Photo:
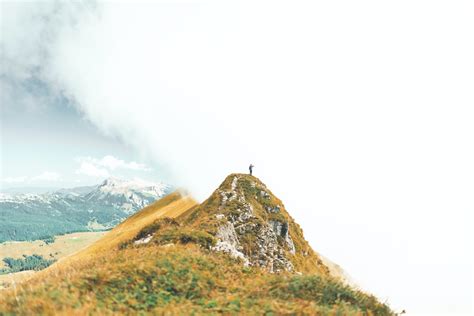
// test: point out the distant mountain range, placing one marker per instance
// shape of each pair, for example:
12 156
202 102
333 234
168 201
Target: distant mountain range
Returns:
28 216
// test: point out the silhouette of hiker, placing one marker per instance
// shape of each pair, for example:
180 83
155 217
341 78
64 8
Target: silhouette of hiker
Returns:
251 168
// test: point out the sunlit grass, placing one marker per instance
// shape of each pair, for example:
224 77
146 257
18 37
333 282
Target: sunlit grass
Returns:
177 273
182 279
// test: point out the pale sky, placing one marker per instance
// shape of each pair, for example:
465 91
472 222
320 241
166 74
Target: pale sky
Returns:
55 147
357 114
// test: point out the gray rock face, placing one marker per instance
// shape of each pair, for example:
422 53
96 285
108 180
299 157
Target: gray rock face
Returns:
271 209
281 230
264 194
271 239
227 233
229 242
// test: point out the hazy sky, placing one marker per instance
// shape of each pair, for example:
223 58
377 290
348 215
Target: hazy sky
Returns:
56 147
357 114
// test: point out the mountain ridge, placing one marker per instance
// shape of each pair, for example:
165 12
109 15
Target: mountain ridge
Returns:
165 259
252 223
41 216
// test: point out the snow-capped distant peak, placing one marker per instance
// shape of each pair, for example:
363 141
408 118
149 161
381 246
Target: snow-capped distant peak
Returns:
128 195
5 196
101 206
117 186
112 182
136 183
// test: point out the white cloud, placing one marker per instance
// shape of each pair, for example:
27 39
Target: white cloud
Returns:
90 169
14 179
104 166
113 163
47 176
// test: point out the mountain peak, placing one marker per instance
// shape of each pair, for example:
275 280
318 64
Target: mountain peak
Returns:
251 223
112 181
107 204
118 185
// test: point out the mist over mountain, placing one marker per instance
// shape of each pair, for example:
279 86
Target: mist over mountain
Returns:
30 216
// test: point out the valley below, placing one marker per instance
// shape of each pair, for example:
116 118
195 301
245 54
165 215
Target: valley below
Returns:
62 246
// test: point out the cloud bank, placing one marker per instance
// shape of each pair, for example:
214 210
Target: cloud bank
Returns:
101 168
357 114
46 176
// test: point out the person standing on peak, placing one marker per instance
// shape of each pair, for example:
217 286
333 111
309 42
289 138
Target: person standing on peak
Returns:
251 168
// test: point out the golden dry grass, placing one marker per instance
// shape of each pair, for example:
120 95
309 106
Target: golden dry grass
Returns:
175 279
181 280
9 279
171 205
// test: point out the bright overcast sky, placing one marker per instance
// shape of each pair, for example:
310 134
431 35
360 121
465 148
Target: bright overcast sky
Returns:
357 114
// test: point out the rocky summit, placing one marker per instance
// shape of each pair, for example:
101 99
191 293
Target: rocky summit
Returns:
250 223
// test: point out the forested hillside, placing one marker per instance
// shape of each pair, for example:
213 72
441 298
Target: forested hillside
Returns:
43 216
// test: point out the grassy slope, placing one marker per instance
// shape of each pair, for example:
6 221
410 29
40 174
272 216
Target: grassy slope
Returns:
171 205
7 280
178 279
183 279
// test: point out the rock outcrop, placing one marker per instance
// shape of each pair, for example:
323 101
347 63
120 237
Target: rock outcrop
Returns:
251 224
